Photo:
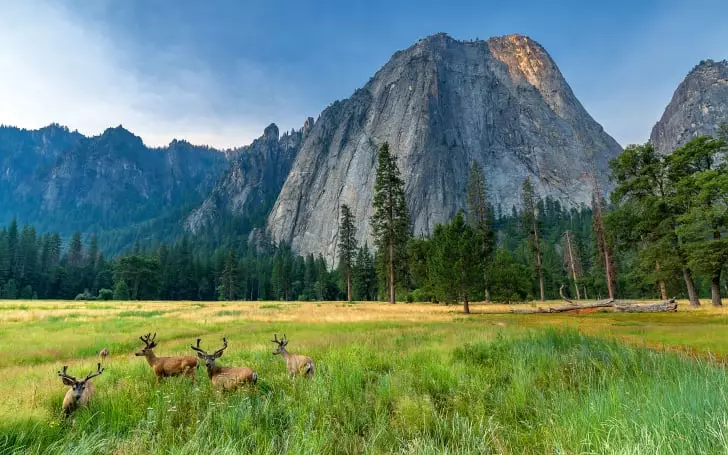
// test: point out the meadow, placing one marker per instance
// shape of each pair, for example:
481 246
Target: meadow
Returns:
405 378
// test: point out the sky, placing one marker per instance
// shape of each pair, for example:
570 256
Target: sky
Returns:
218 72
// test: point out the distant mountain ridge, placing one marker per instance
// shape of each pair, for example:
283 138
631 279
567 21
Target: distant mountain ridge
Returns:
62 181
252 181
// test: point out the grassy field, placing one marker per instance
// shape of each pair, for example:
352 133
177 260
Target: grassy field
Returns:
389 379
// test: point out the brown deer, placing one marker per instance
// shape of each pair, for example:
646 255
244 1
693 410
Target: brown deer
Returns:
103 354
80 392
226 378
166 366
296 363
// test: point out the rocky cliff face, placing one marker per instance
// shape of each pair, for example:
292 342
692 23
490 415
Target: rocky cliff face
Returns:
698 107
252 181
442 104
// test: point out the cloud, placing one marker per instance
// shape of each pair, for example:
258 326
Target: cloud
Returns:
57 67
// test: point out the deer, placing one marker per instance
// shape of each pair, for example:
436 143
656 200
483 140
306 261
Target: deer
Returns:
296 363
103 354
80 392
226 378
166 366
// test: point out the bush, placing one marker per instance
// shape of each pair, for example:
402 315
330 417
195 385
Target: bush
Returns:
106 294
85 295
121 290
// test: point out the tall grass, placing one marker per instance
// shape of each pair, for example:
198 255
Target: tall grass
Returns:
554 391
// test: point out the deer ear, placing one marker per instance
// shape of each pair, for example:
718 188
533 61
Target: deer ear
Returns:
67 381
199 354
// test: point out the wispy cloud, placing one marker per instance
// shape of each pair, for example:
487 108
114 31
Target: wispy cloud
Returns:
57 67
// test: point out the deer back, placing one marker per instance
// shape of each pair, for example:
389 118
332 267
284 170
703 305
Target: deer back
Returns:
299 364
173 366
231 377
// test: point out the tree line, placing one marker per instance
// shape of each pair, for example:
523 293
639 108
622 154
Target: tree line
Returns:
661 234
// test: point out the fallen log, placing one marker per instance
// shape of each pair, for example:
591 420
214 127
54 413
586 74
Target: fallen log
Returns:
667 305
582 306
610 305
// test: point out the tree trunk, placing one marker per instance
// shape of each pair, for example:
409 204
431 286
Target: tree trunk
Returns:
485 284
538 261
610 272
690 284
715 290
661 283
572 264
348 282
391 272
466 306
602 237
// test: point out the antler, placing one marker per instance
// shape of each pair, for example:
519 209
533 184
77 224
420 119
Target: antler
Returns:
65 375
148 339
99 370
198 348
275 338
218 353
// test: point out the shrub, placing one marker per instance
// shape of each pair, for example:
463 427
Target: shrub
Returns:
106 294
85 295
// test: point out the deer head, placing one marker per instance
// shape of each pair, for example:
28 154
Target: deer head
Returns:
282 343
209 358
149 343
77 387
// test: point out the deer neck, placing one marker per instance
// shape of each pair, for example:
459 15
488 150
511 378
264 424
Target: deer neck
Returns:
214 371
285 354
151 358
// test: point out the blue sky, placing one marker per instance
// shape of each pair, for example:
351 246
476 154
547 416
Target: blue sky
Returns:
218 72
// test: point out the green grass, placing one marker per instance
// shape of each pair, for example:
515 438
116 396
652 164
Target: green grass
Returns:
271 306
140 314
228 313
461 386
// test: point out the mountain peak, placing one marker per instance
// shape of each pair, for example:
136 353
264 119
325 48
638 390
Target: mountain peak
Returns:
441 105
119 133
698 106
271 132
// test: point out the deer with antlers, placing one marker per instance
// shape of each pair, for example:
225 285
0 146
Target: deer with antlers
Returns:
80 392
226 378
296 363
166 366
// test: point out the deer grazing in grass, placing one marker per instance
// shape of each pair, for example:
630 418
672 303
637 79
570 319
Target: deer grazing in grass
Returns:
104 353
225 378
80 392
296 363
166 366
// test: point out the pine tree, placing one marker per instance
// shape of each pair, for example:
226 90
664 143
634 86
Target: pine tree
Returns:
530 226
228 289
480 217
365 275
390 221
603 244
702 187
645 215
455 260
347 245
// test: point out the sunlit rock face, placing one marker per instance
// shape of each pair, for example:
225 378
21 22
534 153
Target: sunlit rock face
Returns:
442 104
698 107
